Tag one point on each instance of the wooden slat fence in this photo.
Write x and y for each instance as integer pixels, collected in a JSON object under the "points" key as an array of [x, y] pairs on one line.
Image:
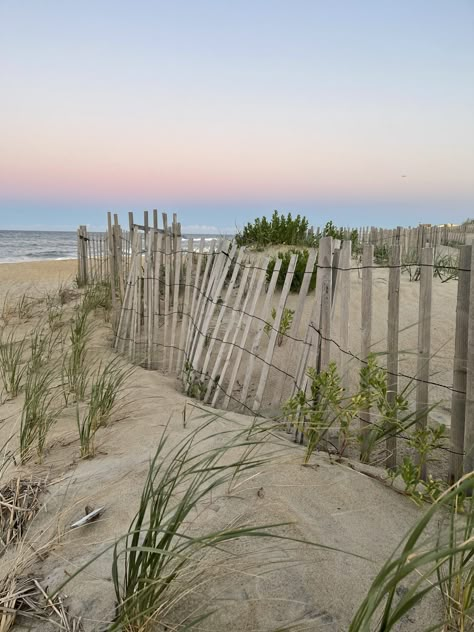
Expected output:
{"points": [[210, 313]]}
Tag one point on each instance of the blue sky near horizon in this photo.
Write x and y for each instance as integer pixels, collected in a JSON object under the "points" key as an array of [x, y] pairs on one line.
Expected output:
{"points": [[360, 112]]}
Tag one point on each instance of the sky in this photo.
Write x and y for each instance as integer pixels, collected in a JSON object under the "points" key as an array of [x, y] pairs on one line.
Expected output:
{"points": [[358, 111]]}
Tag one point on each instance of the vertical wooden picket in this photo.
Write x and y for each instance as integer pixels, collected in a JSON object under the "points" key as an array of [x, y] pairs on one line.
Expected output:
{"points": [[458, 402], [366, 329], [392, 344], [424, 340], [469, 423]]}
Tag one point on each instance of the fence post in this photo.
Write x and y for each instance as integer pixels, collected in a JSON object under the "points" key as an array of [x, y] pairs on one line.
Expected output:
{"points": [[325, 273], [366, 329], [458, 402], [392, 344], [82, 255], [424, 340], [111, 243], [469, 420]]}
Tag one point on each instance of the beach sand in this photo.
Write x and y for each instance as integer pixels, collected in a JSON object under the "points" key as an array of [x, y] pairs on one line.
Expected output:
{"points": [[327, 503]]}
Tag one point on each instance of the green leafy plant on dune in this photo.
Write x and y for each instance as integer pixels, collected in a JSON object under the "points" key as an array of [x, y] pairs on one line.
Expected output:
{"points": [[300, 269], [280, 229]]}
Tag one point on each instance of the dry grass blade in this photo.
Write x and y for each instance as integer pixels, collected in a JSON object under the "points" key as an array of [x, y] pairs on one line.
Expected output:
{"points": [[19, 503], [24, 596]]}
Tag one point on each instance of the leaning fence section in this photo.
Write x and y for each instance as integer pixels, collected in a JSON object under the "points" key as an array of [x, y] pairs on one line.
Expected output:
{"points": [[240, 331]]}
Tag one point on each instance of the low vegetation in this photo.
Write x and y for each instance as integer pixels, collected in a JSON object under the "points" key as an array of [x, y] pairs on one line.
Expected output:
{"points": [[40, 411], [300, 269], [326, 414], [12, 362], [280, 229], [441, 564], [285, 324]]}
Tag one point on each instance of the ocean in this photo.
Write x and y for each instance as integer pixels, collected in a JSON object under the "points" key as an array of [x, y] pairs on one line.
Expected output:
{"points": [[30, 245]]}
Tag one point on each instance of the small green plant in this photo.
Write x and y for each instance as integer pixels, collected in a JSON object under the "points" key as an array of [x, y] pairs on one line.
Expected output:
{"points": [[12, 365], [424, 441], [300, 269], [327, 406], [381, 254], [98, 296], [392, 417], [285, 324], [39, 413]]}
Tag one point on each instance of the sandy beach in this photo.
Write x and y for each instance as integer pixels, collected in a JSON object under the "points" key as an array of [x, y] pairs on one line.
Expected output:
{"points": [[329, 503]]}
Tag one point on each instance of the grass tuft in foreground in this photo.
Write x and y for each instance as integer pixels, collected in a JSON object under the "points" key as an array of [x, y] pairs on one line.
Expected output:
{"points": [[12, 366], [428, 565]]}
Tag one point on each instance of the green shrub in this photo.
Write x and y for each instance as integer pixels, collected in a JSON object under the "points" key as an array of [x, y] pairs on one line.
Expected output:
{"points": [[279, 230], [330, 230], [299, 270], [381, 254]]}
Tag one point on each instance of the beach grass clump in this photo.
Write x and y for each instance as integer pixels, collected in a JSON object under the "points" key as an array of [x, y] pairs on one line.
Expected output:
{"points": [[40, 411], [12, 364], [159, 561], [43, 343], [54, 313], [76, 372], [87, 426], [107, 382], [427, 563], [98, 296], [456, 576], [24, 307]]}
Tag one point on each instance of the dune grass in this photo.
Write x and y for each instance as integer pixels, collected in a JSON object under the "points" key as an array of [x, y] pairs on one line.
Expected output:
{"points": [[12, 365], [440, 564], [107, 382], [76, 372], [39, 413]]}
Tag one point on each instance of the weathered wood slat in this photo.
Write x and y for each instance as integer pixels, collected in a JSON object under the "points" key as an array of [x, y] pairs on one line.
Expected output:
{"points": [[366, 329], [247, 323], [265, 316], [274, 334], [424, 340], [243, 309], [393, 323]]}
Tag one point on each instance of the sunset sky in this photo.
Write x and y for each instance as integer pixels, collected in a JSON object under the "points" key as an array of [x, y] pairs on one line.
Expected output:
{"points": [[358, 111]]}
